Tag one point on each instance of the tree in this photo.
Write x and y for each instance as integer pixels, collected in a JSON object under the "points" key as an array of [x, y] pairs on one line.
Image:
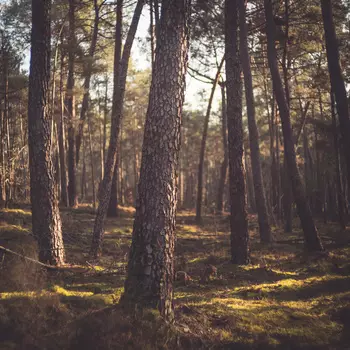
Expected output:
{"points": [[120, 74], [70, 105], [203, 144], [259, 190], [337, 80], [238, 200], [312, 240], [113, 202], [150, 274], [45, 212]]}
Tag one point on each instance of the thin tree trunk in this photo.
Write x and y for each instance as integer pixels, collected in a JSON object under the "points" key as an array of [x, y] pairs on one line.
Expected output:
{"points": [[113, 202], [203, 146], [120, 74], [70, 105], [312, 240], [337, 80], [150, 275], [223, 169], [341, 201], [61, 142], [259, 190], [46, 219], [92, 166], [238, 200], [88, 72]]}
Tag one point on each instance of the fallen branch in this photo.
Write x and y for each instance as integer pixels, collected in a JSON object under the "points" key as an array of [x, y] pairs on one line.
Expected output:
{"points": [[50, 267]]}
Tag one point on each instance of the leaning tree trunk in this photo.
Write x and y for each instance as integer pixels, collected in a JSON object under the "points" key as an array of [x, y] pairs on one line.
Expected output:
{"points": [[46, 218], [337, 80], [113, 202], [150, 275], [259, 190], [86, 86], [70, 105], [117, 112], [312, 240], [203, 146], [238, 200]]}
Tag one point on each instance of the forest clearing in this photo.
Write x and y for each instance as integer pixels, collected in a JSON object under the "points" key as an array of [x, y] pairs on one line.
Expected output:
{"points": [[282, 300]]}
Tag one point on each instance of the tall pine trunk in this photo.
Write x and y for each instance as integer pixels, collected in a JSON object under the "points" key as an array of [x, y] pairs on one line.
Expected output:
{"points": [[224, 164], [88, 73], [149, 281], [113, 202], [46, 218], [259, 190], [312, 240], [117, 113], [70, 105], [337, 80], [203, 146], [238, 200]]}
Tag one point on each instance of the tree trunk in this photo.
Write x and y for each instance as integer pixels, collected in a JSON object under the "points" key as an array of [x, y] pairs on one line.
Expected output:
{"points": [[238, 200], [46, 219], [61, 142], [113, 202], [88, 73], [223, 169], [312, 240], [150, 275], [117, 113], [337, 80], [341, 201], [259, 190], [203, 145], [70, 105]]}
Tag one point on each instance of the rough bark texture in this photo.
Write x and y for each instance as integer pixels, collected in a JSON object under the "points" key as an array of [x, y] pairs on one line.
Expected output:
{"points": [[113, 202], [312, 240], [70, 105], [117, 113], [224, 164], [203, 145], [150, 275], [238, 200], [341, 199], [61, 143], [46, 219], [337, 80], [259, 190], [86, 97]]}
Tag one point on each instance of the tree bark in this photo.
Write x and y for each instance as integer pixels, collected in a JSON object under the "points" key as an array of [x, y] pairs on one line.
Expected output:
{"points": [[150, 274], [46, 221], [238, 200], [70, 105], [113, 202], [117, 113], [341, 201], [88, 72], [337, 80], [223, 169], [259, 190], [312, 240], [203, 145], [61, 142]]}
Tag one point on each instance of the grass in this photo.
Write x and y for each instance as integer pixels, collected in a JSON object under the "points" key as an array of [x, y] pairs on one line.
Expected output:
{"points": [[282, 300]]}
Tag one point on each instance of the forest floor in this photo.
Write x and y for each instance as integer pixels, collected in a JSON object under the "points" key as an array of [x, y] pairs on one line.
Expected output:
{"points": [[282, 300]]}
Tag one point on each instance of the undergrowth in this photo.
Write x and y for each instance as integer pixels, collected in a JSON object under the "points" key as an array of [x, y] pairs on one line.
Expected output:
{"points": [[284, 299]]}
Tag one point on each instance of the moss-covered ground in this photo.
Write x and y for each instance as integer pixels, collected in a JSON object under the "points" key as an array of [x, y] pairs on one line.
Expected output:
{"points": [[285, 299]]}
